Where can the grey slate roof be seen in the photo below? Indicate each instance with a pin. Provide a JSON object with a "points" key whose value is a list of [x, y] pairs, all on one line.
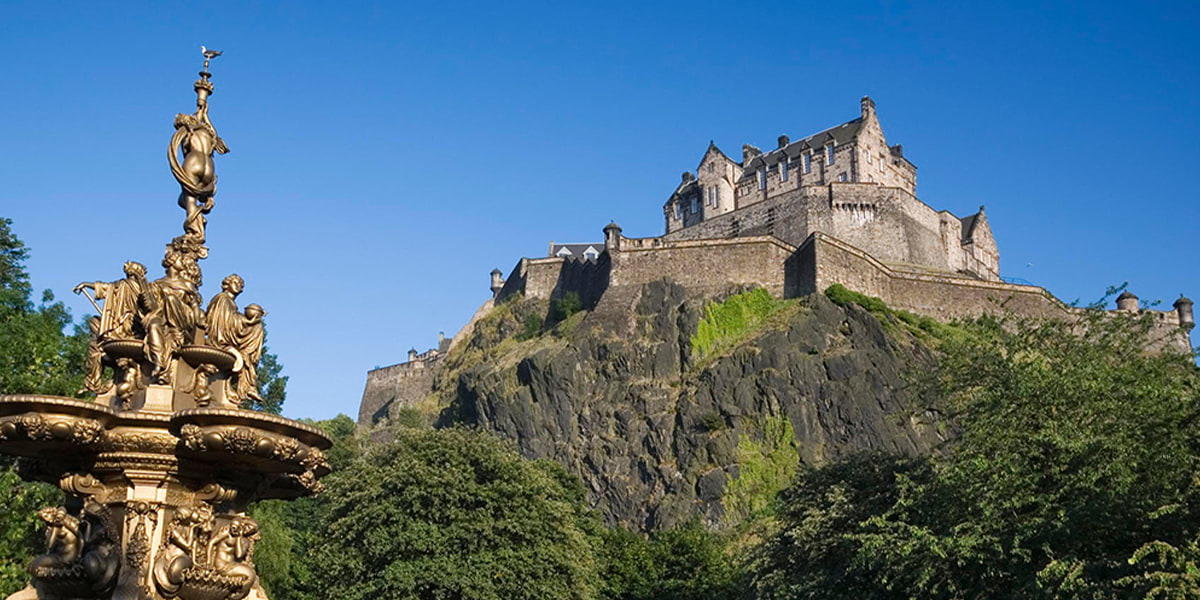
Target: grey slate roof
{"points": [[577, 251], [841, 134]]}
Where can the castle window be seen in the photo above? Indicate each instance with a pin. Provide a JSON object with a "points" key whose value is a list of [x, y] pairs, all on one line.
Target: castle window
{"points": [[762, 179], [842, 176], [695, 204], [808, 162], [678, 210], [829, 154], [784, 166]]}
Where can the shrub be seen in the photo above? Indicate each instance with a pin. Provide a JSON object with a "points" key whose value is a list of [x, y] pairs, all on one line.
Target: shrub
{"points": [[563, 307]]}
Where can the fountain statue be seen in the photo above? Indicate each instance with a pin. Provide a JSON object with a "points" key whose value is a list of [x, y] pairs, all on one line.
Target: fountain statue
{"points": [[158, 469]]}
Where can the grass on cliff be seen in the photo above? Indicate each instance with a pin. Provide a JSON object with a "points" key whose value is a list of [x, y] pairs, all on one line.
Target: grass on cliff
{"points": [[925, 328], [766, 465], [731, 321]]}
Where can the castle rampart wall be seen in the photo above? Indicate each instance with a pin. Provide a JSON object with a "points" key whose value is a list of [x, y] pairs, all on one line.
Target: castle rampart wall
{"points": [[398, 385], [828, 260], [703, 264]]}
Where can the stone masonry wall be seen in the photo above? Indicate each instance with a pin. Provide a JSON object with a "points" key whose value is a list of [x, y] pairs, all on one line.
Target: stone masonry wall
{"points": [[707, 264], [942, 296], [398, 385]]}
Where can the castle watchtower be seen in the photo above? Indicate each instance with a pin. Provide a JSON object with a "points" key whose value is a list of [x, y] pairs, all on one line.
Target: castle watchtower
{"points": [[1183, 308]]}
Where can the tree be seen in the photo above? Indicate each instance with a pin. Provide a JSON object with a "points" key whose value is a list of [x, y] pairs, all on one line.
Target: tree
{"points": [[36, 356], [1073, 477], [272, 384], [289, 529], [684, 563], [454, 514]]}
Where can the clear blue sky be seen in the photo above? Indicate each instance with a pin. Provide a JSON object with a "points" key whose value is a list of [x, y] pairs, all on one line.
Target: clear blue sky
{"points": [[387, 156]]}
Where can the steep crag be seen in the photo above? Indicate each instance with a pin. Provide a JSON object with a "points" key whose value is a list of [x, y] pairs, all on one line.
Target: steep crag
{"points": [[660, 435]]}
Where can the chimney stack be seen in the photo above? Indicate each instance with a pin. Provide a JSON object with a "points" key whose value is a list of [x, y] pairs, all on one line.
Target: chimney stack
{"points": [[783, 140], [867, 106]]}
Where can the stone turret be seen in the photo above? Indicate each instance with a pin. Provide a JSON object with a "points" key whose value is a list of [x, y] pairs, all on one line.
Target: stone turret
{"points": [[612, 237], [1183, 308], [497, 282], [412, 354], [1127, 302]]}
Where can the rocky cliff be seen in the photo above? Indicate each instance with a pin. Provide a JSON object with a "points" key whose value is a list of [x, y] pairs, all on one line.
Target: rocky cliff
{"points": [[661, 431]]}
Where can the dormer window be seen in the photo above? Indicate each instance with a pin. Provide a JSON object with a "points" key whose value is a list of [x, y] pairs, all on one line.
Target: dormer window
{"points": [[829, 154], [762, 179], [785, 165], [808, 162], [695, 204], [678, 210]]}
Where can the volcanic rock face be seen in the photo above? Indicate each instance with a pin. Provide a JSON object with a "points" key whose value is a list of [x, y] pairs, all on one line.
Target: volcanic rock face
{"points": [[657, 436]]}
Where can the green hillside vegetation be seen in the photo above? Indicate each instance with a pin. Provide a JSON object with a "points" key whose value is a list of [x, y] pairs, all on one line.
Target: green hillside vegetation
{"points": [[730, 321]]}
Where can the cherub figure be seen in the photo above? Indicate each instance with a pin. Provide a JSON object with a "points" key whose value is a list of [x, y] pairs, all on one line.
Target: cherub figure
{"points": [[231, 550], [63, 542]]}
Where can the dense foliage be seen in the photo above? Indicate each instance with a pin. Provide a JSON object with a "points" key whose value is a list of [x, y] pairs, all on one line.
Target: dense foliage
{"points": [[454, 514], [36, 355], [1073, 477]]}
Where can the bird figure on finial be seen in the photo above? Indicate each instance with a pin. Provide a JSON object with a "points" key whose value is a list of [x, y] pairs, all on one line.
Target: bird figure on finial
{"points": [[208, 55]]}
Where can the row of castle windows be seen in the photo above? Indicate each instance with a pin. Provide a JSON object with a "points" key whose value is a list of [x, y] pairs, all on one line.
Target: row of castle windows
{"points": [[712, 197], [785, 166]]}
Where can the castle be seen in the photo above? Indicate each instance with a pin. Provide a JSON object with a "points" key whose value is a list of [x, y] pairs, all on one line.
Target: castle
{"points": [[838, 206]]}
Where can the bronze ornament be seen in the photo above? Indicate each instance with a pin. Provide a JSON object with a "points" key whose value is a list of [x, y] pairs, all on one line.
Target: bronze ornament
{"points": [[159, 466]]}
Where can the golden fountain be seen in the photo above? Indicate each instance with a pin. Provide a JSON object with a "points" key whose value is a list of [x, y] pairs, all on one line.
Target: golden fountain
{"points": [[159, 468]]}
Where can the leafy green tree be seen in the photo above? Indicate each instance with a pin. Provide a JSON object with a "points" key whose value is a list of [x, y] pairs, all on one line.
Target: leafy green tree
{"points": [[683, 563], [272, 384], [454, 514], [1073, 477], [289, 529], [36, 356]]}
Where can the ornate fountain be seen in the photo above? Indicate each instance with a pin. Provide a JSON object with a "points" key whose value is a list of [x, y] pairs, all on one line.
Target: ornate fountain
{"points": [[159, 468]]}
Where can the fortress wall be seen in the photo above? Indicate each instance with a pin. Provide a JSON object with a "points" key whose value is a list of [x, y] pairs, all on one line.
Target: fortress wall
{"points": [[946, 297], [940, 296], [398, 385], [707, 264], [589, 279], [541, 276]]}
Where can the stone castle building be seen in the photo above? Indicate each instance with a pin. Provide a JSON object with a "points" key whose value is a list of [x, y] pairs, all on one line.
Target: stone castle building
{"points": [[838, 206]]}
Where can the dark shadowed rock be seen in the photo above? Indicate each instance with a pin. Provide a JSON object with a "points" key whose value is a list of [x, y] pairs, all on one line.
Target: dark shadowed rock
{"points": [[653, 434]]}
